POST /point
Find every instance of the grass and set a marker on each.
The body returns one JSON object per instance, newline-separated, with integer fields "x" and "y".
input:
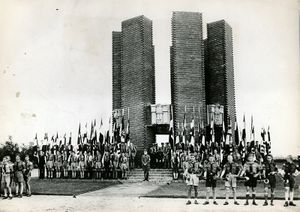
{"x": 179, "y": 190}
{"x": 67, "y": 187}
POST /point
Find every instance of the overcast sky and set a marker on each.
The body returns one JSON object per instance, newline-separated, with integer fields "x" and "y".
{"x": 56, "y": 69}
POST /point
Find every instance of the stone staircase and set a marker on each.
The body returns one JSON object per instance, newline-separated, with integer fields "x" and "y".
{"x": 155, "y": 175}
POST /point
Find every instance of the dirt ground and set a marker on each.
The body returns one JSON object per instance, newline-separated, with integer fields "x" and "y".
{"x": 125, "y": 197}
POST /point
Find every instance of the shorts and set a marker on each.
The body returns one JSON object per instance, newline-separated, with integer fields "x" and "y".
{"x": 6, "y": 180}
{"x": 192, "y": 179}
{"x": 230, "y": 182}
{"x": 19, "y": 177}
{"x": 252, "y": 182}
{"x": 123, "y": 166}
{"x": 50, "y": 164}
{"x": 211, "y": 182}
{"x": 272, "y": 182}
{"x": 74, "y": 166}
{"x": 290, "y": 182}
{"x": 81, "y": 165}
{"x": 27, "y": 178}
{"x": 58, "y": 164}
{"x": 98, "y": 165}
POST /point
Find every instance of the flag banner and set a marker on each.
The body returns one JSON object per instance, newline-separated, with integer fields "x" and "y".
{"x": 79, "y": 140}
{"x": 36, "y": 139}
{"x": 244, "y": 130}
{"x": 236, "y": 134}
{"x": 263, "y": 134}
{"x": 269, "y": 135}
{"x": 252, "y": 134}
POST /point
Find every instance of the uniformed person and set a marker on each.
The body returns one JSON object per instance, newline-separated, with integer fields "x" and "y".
{"x": 251, "y": 171}
{"x": 289, "y": 169}
{"x": 231, "y": 171}
{"x": 6, "y": 177}
{"x": 269, "y": 173}
{"x": 192, "y": 178}
{"x": 211, "y": 170}
{"x": 124, "y": 165}
{"x": 146, "y": 165}
{"x": 19, "y": 168}
{"x": 27, "y": 175}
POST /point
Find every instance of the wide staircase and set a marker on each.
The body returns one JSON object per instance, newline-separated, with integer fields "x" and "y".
{"x": 155, "y": 175}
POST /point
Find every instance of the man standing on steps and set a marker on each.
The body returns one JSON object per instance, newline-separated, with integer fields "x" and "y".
{"x": 146, "y": 165}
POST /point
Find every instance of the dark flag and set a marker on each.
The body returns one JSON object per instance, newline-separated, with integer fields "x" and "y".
{"x": 171, "y": 130}
{"x": 184, "y": 127}
{"x": 70, "y": 139}
{"x": 252, "y": 135}
{"x": 236, "y": 134}
{"x": 101, "y": 137}
{"x": 79, "y": 141}
{"x": 65, "y": 139}
{"x": 244, "y": 130}
{"x": 92, "y": 131}
{"x": 263, "y": 134}
{"x": 269, "y": 136}
{"x": 36, "y": 139}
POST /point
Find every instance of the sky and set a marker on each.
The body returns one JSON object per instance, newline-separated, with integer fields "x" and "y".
{"x": 56, "y": 62}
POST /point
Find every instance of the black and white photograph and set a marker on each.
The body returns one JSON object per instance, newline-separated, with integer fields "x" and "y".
{"x": 148, "y": 105}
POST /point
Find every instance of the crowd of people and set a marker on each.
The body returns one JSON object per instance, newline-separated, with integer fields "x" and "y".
{"x": 17, "y": 175}
{"x": 86, "y": 161}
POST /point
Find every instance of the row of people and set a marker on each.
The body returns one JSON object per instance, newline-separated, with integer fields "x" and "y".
{"x": 85, "y": 164}
{"x": 210, "y": 171}
{"x": 17, "y": 174}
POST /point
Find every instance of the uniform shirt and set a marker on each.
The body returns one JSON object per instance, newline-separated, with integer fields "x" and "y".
{"x": 211, "y": 168}
{"x": 289, "y": 169}
{"x": 7, "y": 168}
{"x": 19, "y": 166}
{"x": 145, "y": 160}
{"x": 251, "y": 168}
{"x": 270, "y": 167}
{"x": 28, "y": 167}
{"x": 232, "y": 168}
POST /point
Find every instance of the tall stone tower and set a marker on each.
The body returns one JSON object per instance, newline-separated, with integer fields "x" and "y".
{"x": 219, "y": 73}
{"x": 187, "y": 68}
{"x": 134, "y": 77}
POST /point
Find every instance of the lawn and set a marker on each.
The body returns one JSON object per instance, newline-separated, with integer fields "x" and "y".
{"x": 179, "y": 190}
{"x": 66, "y": 186}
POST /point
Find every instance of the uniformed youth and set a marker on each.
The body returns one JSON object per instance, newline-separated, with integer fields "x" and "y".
{"x": 231, "y": 171}
{"x": 27, "y": 175}
{"x": 211, "y": 169}
{"x": 289, "y": 169}
{"x": 269, "y": 172}
{"x": 251, "y": 172}
{"x": 6, "y": 177}
{"x": 19, "y": 168}
{"x": 146, "y": 165}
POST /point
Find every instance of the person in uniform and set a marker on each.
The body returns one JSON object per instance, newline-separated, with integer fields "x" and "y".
{"x": 27, "y": 175}
{"x": 106, "y": 163}
{"x": 58, "y": 164}
{"x": 192, "y": 178}
{"x": 6, "y": 177}
{"x": 41, "y": 165}
{"x": 231, "y": 171}
{"x": 289, "y": 176}
{"x": 211, "y": 170}
{"x": 66, "y": 165}
{"x": 175, "y": 165}
{"x": 115, "y": 161}
{"x": 50, "y": 164}
{"x": 98, "y": 164}
{"x": 251, "y": 171}
{"x": 146, "y": 165}
{"x": 19, "y": 168}
{"x": 124, "y": 165}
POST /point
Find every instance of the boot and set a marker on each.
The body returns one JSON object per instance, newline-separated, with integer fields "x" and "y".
{"x": 247, "y": 198}
{"x": 253, "y": 197}
{"x": 272, "y": 198}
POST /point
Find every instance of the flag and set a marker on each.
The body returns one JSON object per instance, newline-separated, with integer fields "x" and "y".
{"x": 171, "y": 134}
{"x": 212, "y": 133}
{"x": 236, "y": 134}
{"x": 192, "y": 132}
{"x": 92, "y": 131}
{"x": 70, "y": 139}
{"x": 184, "y": 126}
{"x": 36, "y": 139}
{"x": 252, "y": 135}
{"x": 85, "y": 135}
{"x": 177, "y": 139}
{"x": 263, "y": 134}
{"x": 79, "y": 141}
{"x": 229, "y": 135}
{"x": 269, "y": 136}
{"x": 244, "y": 130}
{"x": 65, "y": 139}
{"x": 223, "y": 134}
{"x": 101, "y": 134}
